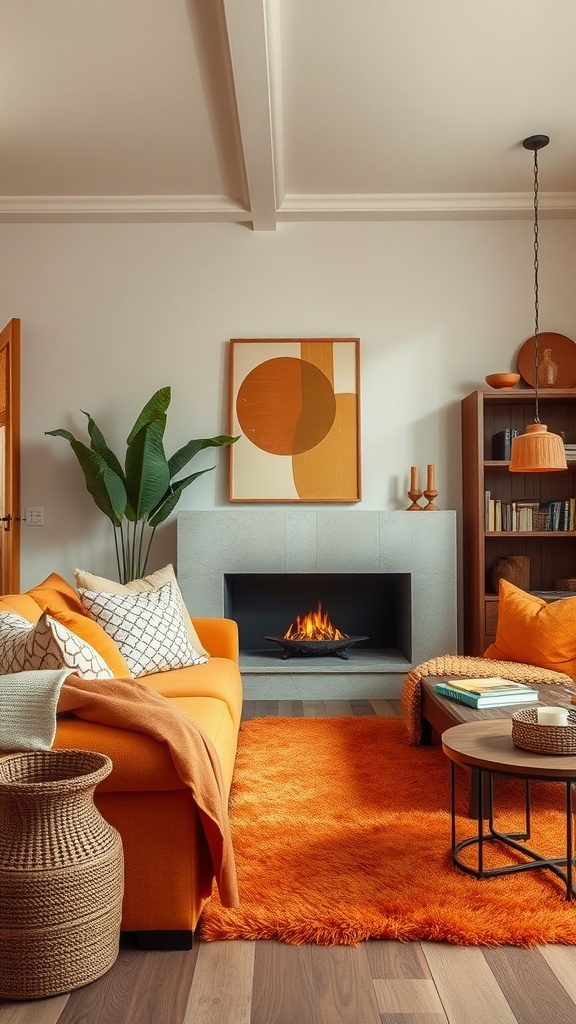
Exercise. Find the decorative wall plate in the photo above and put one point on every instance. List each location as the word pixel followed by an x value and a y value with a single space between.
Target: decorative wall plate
pixel 557 361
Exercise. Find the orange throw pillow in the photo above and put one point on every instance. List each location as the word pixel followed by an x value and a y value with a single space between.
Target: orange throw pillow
pixel 55 594
pixel 534 632
pixel 93 633
pixel 63 603
pixel 22 605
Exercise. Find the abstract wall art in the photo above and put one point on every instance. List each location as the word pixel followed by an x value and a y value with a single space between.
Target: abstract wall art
pixel 295 404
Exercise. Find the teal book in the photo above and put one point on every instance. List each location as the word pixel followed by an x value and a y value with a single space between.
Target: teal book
pixel 522 695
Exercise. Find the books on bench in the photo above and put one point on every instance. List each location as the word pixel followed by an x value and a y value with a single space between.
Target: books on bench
pixel 486 693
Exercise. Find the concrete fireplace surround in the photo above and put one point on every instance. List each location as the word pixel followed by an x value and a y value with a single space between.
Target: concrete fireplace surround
pixel 263 540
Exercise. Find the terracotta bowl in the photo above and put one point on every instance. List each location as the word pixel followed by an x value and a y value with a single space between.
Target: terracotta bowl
pixel 502 380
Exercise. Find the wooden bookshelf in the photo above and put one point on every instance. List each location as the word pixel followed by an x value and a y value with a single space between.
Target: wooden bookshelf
pixel 552 553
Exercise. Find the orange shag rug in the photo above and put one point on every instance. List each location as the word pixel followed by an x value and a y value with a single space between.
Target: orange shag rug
pixel 342 833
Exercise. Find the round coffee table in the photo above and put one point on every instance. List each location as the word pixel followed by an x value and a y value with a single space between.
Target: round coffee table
pixel 487 746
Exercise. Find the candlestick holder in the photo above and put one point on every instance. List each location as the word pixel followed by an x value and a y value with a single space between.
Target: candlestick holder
pixel 429 493
pixel 414 495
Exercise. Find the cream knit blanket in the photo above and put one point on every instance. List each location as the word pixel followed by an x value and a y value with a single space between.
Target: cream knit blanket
pixel 28 702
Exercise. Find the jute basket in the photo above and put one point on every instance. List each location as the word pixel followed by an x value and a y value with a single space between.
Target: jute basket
pixel 61 874
pixel 528 734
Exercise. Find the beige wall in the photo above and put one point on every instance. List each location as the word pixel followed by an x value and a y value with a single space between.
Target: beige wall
pixel 110 312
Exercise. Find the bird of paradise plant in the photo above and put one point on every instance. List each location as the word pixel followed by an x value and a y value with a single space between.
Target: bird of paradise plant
pixel 139 496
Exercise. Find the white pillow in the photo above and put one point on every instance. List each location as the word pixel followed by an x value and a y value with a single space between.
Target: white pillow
pixel 100 585
pixel 46 644
pixel 148 628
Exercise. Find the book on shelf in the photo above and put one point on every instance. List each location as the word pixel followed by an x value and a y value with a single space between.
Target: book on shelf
pixel 570 452
pixel 502 444
pixel 528 515
pixel 525 695
pixel 522 514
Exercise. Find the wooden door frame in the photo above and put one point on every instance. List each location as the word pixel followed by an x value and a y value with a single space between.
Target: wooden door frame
pixel 10 339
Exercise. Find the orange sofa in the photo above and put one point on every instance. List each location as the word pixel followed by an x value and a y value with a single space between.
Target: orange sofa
pixel 167 877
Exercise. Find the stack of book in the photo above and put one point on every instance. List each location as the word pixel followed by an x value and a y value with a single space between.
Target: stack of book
pixel 570 450
pixel 486 693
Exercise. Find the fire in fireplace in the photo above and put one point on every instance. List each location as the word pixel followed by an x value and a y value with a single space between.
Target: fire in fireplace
pixel 314 626
pixel 314 634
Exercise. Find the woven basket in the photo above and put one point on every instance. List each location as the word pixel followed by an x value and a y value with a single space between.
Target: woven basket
pixel 566 584
pixel 528 734
pixel 61 874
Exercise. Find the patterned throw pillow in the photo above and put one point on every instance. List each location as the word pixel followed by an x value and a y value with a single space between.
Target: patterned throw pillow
pixel 46 644
pixel 147 627
pixel 88 581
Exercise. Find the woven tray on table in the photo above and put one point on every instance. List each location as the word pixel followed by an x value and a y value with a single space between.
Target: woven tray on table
pixel 528 734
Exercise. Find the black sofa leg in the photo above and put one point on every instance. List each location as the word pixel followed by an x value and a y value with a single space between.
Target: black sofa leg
pixel 176 939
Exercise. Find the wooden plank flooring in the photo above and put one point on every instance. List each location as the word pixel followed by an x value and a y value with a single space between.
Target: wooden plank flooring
pixel 272 983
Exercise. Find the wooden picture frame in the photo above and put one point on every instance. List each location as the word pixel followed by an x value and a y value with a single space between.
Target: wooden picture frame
pixel 295 402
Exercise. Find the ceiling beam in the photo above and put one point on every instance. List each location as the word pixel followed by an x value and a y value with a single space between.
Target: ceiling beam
pixel 246 25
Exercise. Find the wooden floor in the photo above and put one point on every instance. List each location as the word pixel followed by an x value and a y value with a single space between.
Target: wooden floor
pixel 271 983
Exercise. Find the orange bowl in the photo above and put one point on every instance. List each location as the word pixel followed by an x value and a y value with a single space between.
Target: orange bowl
pixel 502 380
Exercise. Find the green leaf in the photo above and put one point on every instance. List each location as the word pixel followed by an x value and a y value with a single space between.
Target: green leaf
pixel 105 486
pixel 147 473
pixel 60 432
pixel 155 409
pixel 184 455
pixel 98 444
pixel 170 500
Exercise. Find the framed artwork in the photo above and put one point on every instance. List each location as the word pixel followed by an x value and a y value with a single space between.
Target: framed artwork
pixel 295 404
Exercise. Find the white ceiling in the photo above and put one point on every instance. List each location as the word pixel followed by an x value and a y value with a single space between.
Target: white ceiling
pixel 263 111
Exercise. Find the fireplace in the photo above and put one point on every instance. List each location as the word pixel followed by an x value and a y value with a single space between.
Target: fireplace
pixel 372 605
pixel 363 551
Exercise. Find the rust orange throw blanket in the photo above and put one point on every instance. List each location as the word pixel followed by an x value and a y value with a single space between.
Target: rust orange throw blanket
pixel 128 704
pixel 342 833
pixel 466 667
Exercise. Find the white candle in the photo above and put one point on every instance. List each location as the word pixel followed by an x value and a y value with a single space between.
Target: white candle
pixel 552 716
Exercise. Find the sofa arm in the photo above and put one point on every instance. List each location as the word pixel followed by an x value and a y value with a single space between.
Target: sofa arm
pixel 219 636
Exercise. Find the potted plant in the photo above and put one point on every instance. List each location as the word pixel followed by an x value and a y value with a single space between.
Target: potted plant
pixel 138 497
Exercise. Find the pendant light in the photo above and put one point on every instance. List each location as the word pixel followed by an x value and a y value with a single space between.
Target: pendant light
pixel 537 451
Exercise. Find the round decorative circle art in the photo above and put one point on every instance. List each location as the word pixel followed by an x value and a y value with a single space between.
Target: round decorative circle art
pixel 302 397
pixel 557 358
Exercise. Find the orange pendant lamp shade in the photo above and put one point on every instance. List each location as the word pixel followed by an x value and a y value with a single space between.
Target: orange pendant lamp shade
pixel 537 451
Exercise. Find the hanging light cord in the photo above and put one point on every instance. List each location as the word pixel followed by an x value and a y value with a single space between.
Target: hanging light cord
pixel 536 303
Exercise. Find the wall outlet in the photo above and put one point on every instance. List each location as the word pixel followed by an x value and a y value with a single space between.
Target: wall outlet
pixel 34 516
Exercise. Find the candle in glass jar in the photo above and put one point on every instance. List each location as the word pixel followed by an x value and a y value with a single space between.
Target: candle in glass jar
pixel 430 480
pixel 552 716
pixel 414 478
